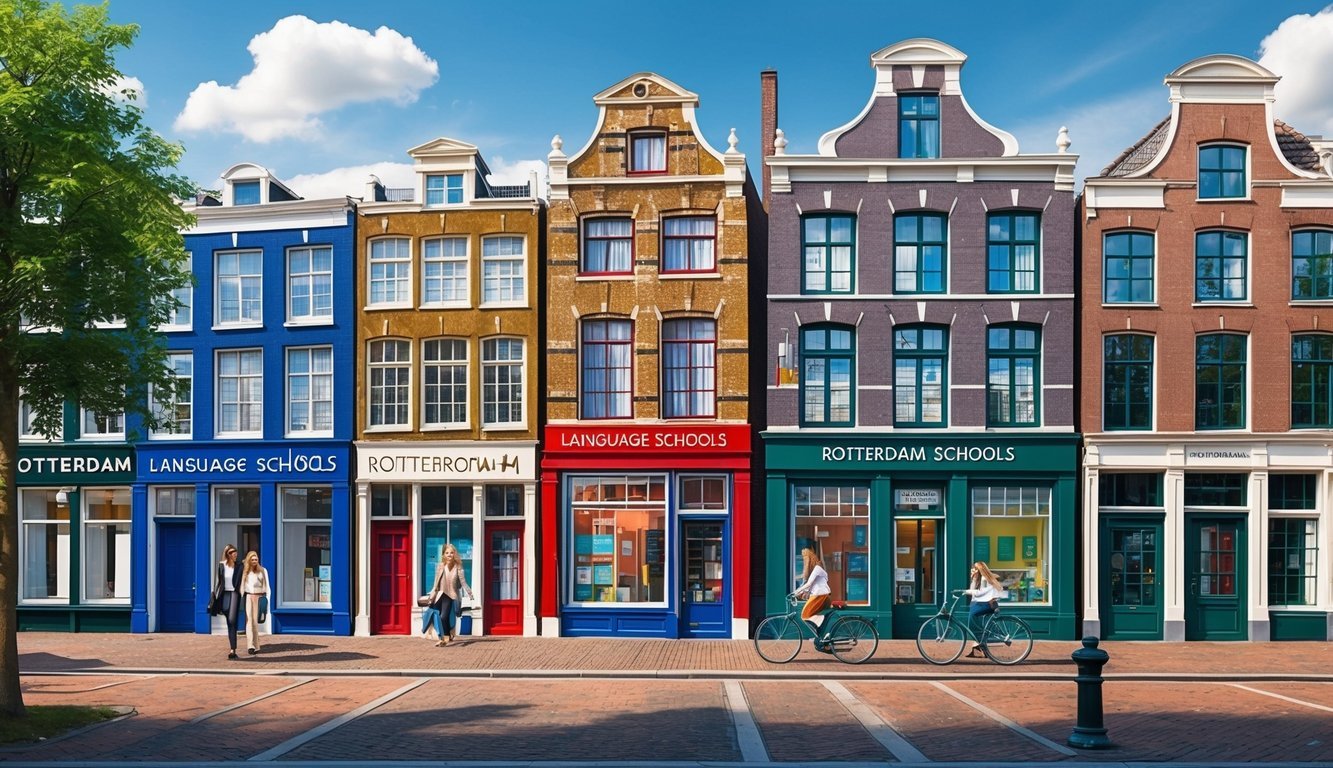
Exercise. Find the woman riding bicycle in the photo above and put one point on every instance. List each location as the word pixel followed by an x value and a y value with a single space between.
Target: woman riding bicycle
pixel 814 586
pixel 986 593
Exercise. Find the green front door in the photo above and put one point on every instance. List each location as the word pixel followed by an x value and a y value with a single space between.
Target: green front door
pixel 1131 562
pixel 1215 570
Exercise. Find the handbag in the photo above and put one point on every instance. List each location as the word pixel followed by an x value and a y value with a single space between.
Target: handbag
pixel 423 601
pixel 214 607
pixel 263 609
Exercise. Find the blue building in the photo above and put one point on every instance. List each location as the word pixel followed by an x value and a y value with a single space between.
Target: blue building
pixel 258 451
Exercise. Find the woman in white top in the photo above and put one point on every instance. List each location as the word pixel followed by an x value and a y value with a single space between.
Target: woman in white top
pixel 226 599
pixel 448 590
pixel 986 592
pixel 814 586
pixel 254 584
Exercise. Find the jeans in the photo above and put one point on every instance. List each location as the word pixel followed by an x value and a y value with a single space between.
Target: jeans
pixel 448 608
pixel 231 606
pixel 975 622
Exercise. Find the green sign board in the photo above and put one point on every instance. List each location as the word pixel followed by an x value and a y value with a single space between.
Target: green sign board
pixel 1004 549
pixel 970 452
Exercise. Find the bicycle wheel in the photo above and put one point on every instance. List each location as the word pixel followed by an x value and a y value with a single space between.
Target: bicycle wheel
pixel 853 640
pixel 941 640
pixel 1008 640
pixel 778 639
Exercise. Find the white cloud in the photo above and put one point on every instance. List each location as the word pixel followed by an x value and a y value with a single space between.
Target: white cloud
pixel 503 172
pixel 303 69
pixel 351 180
pixel 1301 51
pixel 117 89
pixel 1101 130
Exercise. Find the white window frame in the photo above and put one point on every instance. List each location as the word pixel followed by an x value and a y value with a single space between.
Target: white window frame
pixel 241 279
pixel 510 273
pixel 310 375
pixel 185 295
pixel 86 523
pixel 427 364
pixel 218 405
pixel 24 524
pixel 163 408
pixel 113 420
pixel 520 365
pixel 177 492
pixel 444 261
pixel 444 189
pixel 27 433
pixel 310 278
pixel 399 262
pixel 278 575
pixel 371 367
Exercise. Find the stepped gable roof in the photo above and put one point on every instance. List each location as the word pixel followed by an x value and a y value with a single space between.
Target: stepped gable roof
pixel 1141 153
pixel 1296 147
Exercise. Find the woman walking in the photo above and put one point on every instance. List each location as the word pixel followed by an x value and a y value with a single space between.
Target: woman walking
pixel 254 583
pixel 450 585
pixel 226 598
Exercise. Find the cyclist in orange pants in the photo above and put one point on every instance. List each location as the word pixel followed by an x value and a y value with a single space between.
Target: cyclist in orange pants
pixel 814 588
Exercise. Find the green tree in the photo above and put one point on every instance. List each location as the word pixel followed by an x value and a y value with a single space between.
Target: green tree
pixel 89 235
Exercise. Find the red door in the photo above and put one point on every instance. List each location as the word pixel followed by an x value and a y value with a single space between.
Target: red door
pixel 503 609
pixel 390 569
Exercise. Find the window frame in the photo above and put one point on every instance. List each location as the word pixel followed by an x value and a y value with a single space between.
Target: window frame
pixel 1315 260
pixel 311 276
pixel 1221 363
pixel 187 434
pixel 283 580
pixel 919 120
pixel 1010 246
pixel 1012 354
pixel 1127 406
pixel 184 296
pixel 218 406
pixel 632 154
pixel 446 189
pixel 109 434
pixel 827 246
pixel 624 499
pixel 1033 500
pixel 445 261
pixel 919 248
pixel 1221 170
pixel 1131 258
pixel 1221 259
pixel 606 396
pixel 691 345
pixel 397 273
pixel 25 523
pixel 850 501
pixel 398 365
pixel 241 279
pixel 586 239
pixel 918 355
pixel 690 240
pixel 247 185
pixel 828 354
pixel 311 404
pixel 427 364
pixel 1321 363
pixel 515 282
pixel 27 431
pixel 86 523
pixel 519 387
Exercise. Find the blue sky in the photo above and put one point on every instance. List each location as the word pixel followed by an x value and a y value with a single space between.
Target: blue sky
pixel 327 95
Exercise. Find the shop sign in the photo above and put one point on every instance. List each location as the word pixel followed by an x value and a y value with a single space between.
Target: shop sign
pixel 919 453
pixel 70 467
pixel 222 463
pixel 921 498
pixel 648 438
pixel 1215 455
pixel 463 462
pixel 1044 453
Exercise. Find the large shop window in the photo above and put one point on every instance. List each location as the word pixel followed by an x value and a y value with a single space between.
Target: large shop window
pixel 1219 381
pixel 834 521
pixel 236 516
pixel 175 413
pixel 920 363
pixel 1011 533
pixel 618 526
pixel 606 362
pixel 828 368
pixel 689 369
pixel 918 252
pixel 446 518
pixel 918 514
pixel 106 545
pixel 46 550
pixel 1312 380
pixel 305 570
pixel 829 247
pixel 1013 358
pixel 1293 540
pixel 1127 381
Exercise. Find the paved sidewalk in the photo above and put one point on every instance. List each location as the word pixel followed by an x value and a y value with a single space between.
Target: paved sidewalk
pixel 615 657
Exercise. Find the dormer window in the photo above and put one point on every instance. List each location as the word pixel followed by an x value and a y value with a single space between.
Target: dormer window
pixel 444 188
pixel 245 193
pixel 1221 171
pixel 647 152
pixel 919 125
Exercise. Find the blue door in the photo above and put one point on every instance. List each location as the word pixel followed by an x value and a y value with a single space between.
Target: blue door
pixel 175 577
pixel 705 605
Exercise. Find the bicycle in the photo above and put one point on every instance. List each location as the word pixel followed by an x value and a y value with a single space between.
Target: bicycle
pixel 851 639
pixel 1004 639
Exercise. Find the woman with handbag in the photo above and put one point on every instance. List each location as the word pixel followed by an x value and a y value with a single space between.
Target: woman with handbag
pixel 226 596
pixel 450 585
pixel 254 584
pixel 986 593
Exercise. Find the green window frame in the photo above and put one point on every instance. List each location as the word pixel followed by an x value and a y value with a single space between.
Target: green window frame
pixel 1221 266
pixel 1013 380
pixel 919 253
pixel 1293 551
pixel 828 376
pixel 1130 489
pixel 1219 381
pixel 1216 489
pixel 828 248
pixel 1127 360
pixel 1312 380
pixel 1312 265
pixel 920 376
pixel 1293 492
pixel 919 125
pixel 1221 171
pixel 1012 252
pixel 1127 263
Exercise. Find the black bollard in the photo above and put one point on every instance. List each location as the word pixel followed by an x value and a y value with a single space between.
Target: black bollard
pixel 1089 733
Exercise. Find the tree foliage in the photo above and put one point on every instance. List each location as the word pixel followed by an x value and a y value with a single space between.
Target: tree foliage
pixel 90 237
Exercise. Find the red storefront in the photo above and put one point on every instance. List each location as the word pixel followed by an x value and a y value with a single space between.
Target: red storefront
pixel 646 530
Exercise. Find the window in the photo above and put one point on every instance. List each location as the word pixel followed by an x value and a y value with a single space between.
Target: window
pixel 918 253
pixel 444 271
pixel 828 364
pixel 46 552
pixel 834 521
pixel 106 545
pixel 304 567
pixel 1312 380
pixel 702 493
pixel 619 534
pixel 177 414
pixel 1128 261
pixel 689 369
pixel 181 315
pixel 606 376
pixel 1312 265
pixel 920 362
pixel 390 271
pixel 1219 266
pixel 503 500
pixel 647 152
pixel 245 193
pixel 236 520
pixel 389 500
pixel 1293 492
pixel 1216 489
pixel 502 270
pixel 310 390
pixel 240 296
pixel 829 247
pixel 102 426
pixel 446 518
pixel 689 244
pixel 1013 359
pixel 1219 381
pixel 241 392
pixel 1293 542
pixel 916 544
pixel 1129 489
pixel 173 502
pixel 444 370
pixel 608 246
pixel 28 423
pixel 1015 524
pixel 919 125
pixel 1221 172
pixel 1011 252
pixel 1127 381
pixel 309 284
pixel 502 383
pixel 390 382
pixel 444 189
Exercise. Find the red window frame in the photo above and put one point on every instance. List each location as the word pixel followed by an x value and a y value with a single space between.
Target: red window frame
pixel 712 268
pixel 630 164
pixel 606 395
pixel 671 336
pixel 586 238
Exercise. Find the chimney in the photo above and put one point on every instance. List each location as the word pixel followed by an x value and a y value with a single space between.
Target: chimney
pixel 768 123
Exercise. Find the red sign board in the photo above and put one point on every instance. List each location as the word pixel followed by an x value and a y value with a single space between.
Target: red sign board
pixel 631 439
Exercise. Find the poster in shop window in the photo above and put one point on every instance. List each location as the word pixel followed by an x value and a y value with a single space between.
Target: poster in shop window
pixel 1029 547
pixel 1004 549
pixel 981 548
